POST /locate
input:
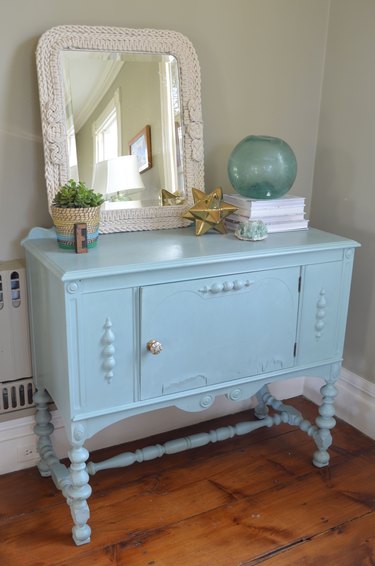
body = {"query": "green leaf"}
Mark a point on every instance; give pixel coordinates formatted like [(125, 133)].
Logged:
[(77, 195)]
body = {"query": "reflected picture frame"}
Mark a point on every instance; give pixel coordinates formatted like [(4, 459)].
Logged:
[(140, 145)]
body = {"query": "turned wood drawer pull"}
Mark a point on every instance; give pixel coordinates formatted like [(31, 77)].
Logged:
[(154, 346), (235, 285)]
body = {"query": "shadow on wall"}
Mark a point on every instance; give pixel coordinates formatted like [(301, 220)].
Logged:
[(335, 208), (22, 184)]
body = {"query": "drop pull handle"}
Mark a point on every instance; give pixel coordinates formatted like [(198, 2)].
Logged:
[(154, 346)]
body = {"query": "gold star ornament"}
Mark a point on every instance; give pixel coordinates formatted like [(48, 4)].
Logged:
[(209, 211), (169, 198)]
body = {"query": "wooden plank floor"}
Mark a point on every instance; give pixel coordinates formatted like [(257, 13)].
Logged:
[(246, 501)]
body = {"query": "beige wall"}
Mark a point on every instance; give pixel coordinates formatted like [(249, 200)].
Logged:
[(261, 62), (344, 184)]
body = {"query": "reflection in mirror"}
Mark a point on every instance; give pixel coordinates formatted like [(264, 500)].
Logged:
[(117, 104)]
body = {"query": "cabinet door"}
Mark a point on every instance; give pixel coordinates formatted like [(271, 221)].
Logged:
[(104, 335), (324, 307), (217, 330)]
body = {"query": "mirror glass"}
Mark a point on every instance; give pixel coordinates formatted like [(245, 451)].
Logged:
[(119, 104), (121, 111)]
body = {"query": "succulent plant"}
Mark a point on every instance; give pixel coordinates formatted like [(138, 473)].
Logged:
[(77, 195)]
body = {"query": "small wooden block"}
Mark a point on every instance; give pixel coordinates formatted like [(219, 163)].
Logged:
[(80, 238)]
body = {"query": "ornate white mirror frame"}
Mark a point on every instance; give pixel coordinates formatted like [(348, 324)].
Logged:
[(51, 46)]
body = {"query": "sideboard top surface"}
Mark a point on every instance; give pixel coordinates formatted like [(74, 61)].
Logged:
[(136, 251)]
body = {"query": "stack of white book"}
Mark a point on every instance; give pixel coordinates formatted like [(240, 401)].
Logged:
[(280, 215)]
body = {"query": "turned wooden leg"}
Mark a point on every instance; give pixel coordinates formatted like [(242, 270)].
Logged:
[(325, 421), (43, 429), (79, 489), (287, 413), (261, 410)]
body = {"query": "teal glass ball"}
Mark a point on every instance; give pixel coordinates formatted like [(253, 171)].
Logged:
[(262, 167)]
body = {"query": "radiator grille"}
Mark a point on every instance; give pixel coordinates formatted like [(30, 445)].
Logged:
[(16, 395), (16, 387), (15, 359)]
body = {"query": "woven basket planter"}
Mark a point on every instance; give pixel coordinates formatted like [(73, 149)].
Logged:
[(64, 220)]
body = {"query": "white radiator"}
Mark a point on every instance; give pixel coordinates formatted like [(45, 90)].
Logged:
[(15, 360)]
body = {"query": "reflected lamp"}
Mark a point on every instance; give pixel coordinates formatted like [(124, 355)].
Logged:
[(117, 178)]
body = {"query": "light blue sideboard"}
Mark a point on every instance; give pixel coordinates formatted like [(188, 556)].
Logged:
[(159, 318)]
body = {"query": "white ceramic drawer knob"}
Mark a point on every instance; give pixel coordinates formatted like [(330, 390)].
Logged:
[(155, 347)]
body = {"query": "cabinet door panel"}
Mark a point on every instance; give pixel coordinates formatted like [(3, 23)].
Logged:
[(324, 303), (217, 330), (105, 349)]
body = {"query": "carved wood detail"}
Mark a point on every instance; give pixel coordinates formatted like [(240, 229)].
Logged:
[(226, 286), (108, 351), (320, 314)]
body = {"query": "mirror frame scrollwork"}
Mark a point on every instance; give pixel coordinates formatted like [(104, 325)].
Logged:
[(51, 93)]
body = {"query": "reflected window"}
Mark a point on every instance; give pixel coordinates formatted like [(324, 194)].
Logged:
[(72, 153), (171, 120), (107, 131)]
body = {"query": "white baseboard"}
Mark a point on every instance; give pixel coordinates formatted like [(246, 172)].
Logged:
[(355, 402), (17, 435)]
